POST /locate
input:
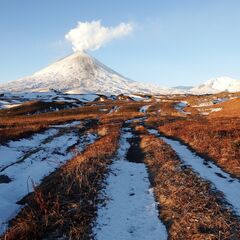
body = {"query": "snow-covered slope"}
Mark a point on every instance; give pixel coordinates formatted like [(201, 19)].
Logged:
[(80, 73), (216, 85)]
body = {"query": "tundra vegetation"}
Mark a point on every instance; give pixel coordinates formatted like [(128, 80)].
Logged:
[(64, 205)]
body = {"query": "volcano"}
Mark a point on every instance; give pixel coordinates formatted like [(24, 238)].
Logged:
[(80, 73)]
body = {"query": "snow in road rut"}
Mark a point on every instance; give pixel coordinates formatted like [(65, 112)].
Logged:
[(130, 211), (43, 159), (144, 109), (209, 171)]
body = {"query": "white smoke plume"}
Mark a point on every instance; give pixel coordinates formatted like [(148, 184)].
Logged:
[(92, 35)]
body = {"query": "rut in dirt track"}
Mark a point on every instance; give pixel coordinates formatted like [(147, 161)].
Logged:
[(129, 210)]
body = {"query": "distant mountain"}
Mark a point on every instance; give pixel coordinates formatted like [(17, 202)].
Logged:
[(81, 73), (183, 87), (215, 85)]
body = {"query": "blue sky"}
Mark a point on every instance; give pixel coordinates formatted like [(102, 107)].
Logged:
[(173, 42)]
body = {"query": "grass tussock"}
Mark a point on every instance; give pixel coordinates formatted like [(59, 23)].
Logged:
[(188, 206), (65, 204), (217, 138)]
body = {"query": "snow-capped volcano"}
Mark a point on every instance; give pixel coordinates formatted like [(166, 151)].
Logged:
[(220, 84), (79, 73)]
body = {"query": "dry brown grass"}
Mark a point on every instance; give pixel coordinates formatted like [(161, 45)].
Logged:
[(217, 138), (128, 110), (229, 109), (156, 121), (164, 108), (204, 104), (116, 117), (65, 203), (187, 204), (15, 127), (198, 99), (33, 107)]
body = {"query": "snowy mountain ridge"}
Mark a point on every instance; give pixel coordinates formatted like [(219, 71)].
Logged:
[(219, 84)]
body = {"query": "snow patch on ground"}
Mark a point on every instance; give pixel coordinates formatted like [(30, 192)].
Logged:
[(130, 211), (208, 170), (180, 107), (204, 104), (144, 109), (216, 109), (45, 156), (136, 98), (114, 109), (204, 113), (14, 150), (9, 103), (210, 103), (220, 100)]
